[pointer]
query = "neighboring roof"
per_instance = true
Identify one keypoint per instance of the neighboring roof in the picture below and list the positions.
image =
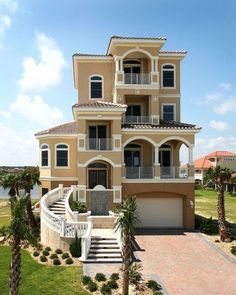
(67, 128)
(221, 154)
(162, 125)
(202, 163)
(99, 104)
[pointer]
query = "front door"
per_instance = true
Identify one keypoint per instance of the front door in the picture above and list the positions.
(97, 175)
(165, 161)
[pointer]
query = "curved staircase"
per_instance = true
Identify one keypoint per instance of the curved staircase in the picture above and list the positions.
(58, 207)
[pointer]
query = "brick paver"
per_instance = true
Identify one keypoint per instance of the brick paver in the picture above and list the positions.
(90, 269)
(185, 263)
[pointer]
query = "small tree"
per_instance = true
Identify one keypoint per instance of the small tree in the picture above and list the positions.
(221, 176)
(126, 222)
(19, 231)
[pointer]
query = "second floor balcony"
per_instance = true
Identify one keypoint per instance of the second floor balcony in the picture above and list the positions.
(137, 78)
(99, 144)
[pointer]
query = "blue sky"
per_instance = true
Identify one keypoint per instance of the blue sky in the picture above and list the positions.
(38, 38)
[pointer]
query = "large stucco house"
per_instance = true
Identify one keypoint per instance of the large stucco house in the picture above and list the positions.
(126, 135)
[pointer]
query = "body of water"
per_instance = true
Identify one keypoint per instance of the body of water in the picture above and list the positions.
(34, 193)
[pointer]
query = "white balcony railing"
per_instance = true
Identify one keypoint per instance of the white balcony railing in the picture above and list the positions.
(99, 144)
(137, 120)
(139, 172)
(143, 78)
(173, 172)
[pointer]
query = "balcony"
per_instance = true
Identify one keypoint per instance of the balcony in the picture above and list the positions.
(139, 172)
(173, 172)
(143, 78)
(137, 120)
(99, 144)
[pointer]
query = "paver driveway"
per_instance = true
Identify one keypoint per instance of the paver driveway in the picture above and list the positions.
(185, 263)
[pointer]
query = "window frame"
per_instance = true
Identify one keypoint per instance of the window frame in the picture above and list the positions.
(40, 156)
(162, 76)
(90, 83)
(68, 155)
(168, 104)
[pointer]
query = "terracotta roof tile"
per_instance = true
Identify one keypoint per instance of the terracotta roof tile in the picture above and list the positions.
(162, 125)
(174, 51)
(66, 128)
(99, 104)
(140, 38)
(202, 163)
(221, 154)
(92, 55)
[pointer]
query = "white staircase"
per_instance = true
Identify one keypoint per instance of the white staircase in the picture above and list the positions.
(58, 207)
(104, 248)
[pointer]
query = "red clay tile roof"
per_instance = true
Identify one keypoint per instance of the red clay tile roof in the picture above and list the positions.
(174, 51)
(162, 125)
(221, 154)
(140, 38)
(202, 163)
(99, 104)
(67, 128)
(92, 55)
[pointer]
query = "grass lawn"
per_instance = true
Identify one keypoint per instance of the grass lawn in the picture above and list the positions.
(37, 279)
(206, 201)
(4, 213)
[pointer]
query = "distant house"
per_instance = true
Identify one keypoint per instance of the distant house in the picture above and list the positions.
(221, 158)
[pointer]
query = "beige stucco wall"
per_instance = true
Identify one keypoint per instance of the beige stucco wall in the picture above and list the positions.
(86, 69)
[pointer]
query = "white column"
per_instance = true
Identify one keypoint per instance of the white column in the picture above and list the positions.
(156, 155)
(117, 65)
(190, 155)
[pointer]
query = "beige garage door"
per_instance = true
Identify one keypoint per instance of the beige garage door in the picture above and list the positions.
(160, 212)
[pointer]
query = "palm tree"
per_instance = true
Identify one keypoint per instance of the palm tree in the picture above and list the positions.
(29, 177)
(11, 181)
(221, 176)
(19, 231)
(126, 221)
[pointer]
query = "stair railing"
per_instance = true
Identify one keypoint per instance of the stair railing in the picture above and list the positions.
(86, 242)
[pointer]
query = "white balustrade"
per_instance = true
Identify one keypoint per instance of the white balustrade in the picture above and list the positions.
(86, 242)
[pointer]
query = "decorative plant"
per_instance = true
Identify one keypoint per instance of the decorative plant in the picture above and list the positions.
(100, 277)
(135, 273)
(79, 206)
(75, 247)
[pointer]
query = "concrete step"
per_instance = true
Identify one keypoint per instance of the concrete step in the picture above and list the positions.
(57, 206)
(108, 250)
(104, 246)
(108, 242)
(103, 260)
(104, 255)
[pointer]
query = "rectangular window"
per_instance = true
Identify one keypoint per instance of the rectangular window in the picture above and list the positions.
(44, 158)
(62, 158)
(96, 89)
(168, 78)
(168, 113)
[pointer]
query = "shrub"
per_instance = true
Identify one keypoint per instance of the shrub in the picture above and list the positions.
(36, 254)
(53, 256)
(92, 286)
(43, 258)
(112, 284)
(56, 261)
(157, 293)
(114, 276)
(45, 253)
(100, 277)
(79, 206)
(86, 280)
(233, 250)
(4, 231)
(69, 261)
(208, 226)
(65, 255)
(48, 249)
(105, 289)
(75, 247)
(135, 273)
(39, 246)
(58, 251)
(154, 285)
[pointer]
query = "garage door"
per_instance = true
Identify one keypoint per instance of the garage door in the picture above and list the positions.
(160, 212)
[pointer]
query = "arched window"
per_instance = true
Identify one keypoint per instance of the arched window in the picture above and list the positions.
(168, 75)
(62, 155)
(44, 155)
(96, 87)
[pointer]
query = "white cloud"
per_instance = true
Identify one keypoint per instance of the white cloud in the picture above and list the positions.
(221, 143)
(219, 125)
(5, 114)
(225, 86)
(5, 23)
(228, 105)
(18, 146)
(47, 70)
(213, 97)
(37, 111)
(9, 5)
